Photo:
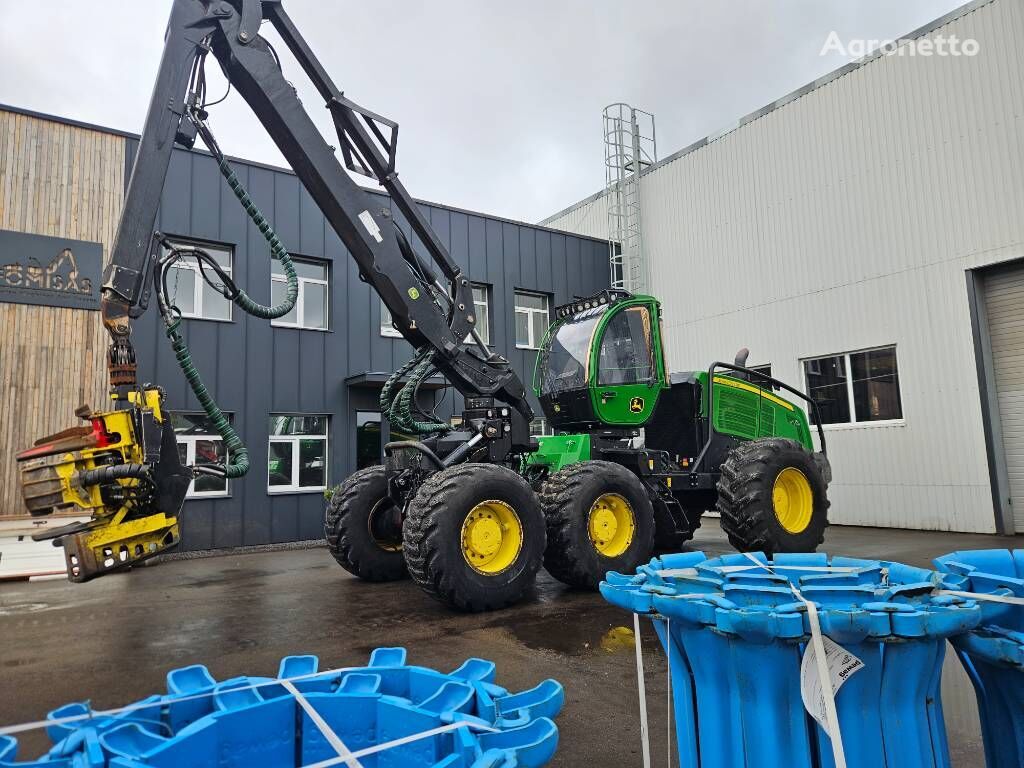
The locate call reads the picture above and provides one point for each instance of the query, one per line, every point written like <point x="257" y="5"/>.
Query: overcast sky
<point x="499" y="102"/>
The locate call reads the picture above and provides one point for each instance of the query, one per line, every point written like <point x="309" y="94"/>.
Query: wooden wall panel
<point x="67" y="181"/>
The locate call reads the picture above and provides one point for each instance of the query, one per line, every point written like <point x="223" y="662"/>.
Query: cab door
<point x="628" y="366"/>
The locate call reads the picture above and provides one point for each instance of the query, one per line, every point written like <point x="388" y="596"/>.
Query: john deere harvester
<point x="469" y="514"/>
<point x="640" y="453"/>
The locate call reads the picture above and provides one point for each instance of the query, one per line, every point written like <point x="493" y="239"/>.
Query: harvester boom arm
<point x="433" y="312"/>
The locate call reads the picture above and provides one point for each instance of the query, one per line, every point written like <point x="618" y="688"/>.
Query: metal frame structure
<point x="629" y="148"/>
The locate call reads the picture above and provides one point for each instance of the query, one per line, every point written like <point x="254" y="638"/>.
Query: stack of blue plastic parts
<point x="993" y="654"/>
<point x="256" y="721"/>
<point x="735" y="634"/>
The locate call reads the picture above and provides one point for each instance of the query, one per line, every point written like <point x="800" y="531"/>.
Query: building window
<point x="531" y="319"/>
<point x="311" y="306"/>
<point x="482" y="310"/>
<point x="199" y="445"/>
<point x="539" y="427"/>
<point x="856" y="387"/>
<point x="298" y="453"/>
<point x="187" y="288"/>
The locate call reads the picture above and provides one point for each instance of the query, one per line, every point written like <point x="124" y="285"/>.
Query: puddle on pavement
<point x="597" y="631"/>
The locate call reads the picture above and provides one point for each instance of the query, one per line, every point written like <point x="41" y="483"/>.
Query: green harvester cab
<point x="722" y="438"/>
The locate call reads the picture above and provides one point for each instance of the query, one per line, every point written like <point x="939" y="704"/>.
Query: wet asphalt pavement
<point x="113" y="640"/>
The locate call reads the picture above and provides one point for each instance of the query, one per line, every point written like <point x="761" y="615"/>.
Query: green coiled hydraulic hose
<point x="400" y="407"/>
<point x="238" y="454"/>
<point x="277" y="251"/>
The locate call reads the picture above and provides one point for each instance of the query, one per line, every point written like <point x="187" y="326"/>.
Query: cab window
<point x="626" y="356"/>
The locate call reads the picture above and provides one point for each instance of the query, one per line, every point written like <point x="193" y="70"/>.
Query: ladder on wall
<point x="629" y="148"/>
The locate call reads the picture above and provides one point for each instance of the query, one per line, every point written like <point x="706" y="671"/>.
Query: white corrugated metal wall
<point x="845" y="219"/>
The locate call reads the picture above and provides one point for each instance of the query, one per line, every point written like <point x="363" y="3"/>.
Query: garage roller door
<point x="1004" y="304"/>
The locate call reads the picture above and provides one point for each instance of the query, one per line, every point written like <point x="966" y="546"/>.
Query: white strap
<point x="668" y="685"/>
<point x="332" y="738"/>
<point x="1008" y="599"/>
<point x="645" y="742"/>
<point x="824" y="678"/>
<point x="404" y="740"/>
<point x="677" y="572"/>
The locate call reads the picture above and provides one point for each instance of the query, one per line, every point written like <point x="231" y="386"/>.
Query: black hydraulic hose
<point x="416" y="446"/>
<point x="113" y="472"/>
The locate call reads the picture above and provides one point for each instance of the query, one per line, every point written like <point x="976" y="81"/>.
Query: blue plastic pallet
<point x="993" y="654"/>
<point x="735" y="635"/>
<point x="256" y="722"/>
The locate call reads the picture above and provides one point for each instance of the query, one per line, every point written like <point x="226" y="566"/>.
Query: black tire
<point x="745" y="497"/>
<point x="364" y="529"/>
<point x="568" y="498"/>
<point x="433" y="537"/>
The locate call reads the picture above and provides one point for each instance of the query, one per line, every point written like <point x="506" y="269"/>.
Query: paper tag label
<point x="371" y="226"/>
<point x="842" y="665"/>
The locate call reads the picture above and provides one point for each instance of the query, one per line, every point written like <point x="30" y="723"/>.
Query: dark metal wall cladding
<point x="255" y="369"/>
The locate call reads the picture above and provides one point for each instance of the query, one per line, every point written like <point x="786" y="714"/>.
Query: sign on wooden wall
<point x="49" y="271"/>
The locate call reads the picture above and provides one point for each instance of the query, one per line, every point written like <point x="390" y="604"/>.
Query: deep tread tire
<point x="347" y="528"/>
<point x="567" y="497"/>
<point x="745" y="497"/>
<point x="432" y="537"/>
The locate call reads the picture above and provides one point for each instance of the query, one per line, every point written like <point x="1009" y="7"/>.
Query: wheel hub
<point x="492" y="536"/>
<point x="792" y="500"/>
<point x="611" y="524"/>
<point x="385" y="525"/>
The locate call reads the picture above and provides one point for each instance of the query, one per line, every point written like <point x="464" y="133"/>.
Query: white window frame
<point x="197" y="296"/>
<point x="483" y="329"/>
<point x="300" y="302"/>
<point x="545" y="428"/>
<point x="294" y="440"/>
<point x="530" y="312"/>
<point x="854" y="422"/>
<point x="189" y="441"/>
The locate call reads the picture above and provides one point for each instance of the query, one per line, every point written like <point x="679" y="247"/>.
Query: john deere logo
<point x="636" y="404"/>
<point x="51" y="271"/>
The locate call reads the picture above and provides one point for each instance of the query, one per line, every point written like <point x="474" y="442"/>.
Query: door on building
<point x="368" y="439"/>
<point x="1004" y="311"/>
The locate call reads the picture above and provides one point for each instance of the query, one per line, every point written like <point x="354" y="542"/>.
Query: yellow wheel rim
<point x="793" y="500"/>
<point x="611" y="524"/>
<point x="491" y="537"/>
